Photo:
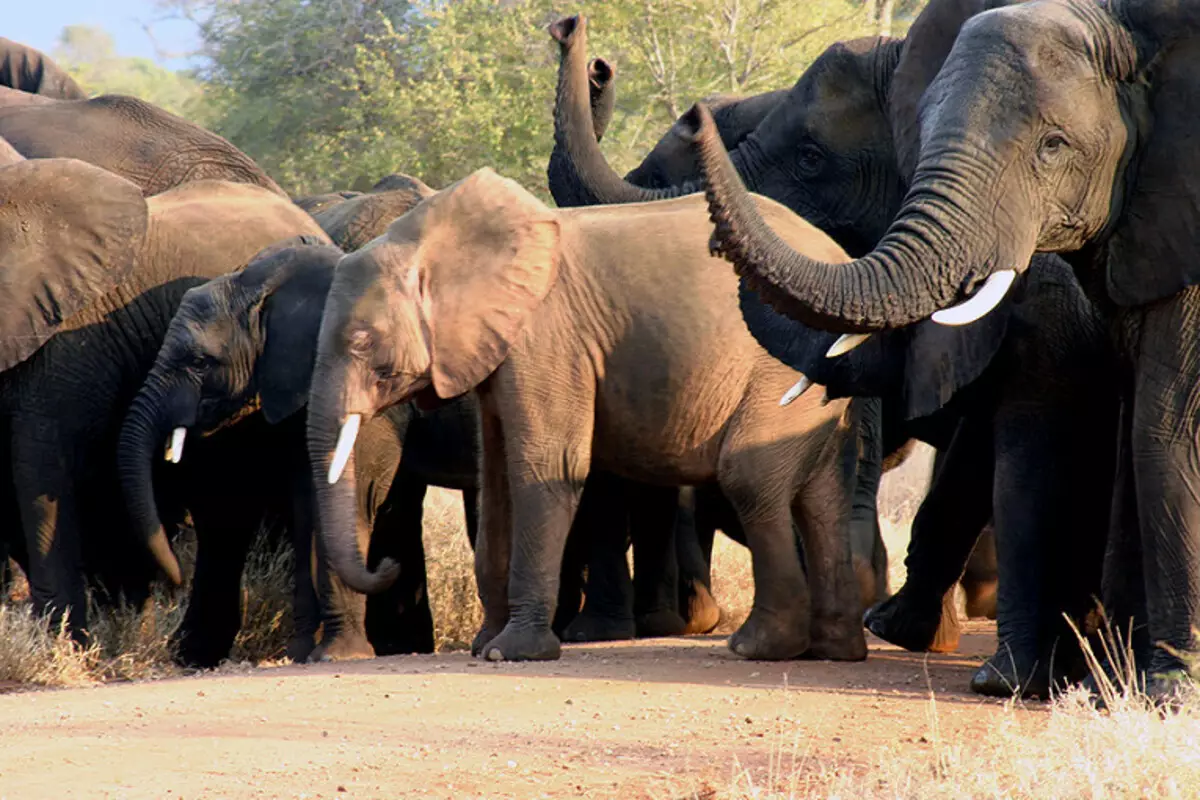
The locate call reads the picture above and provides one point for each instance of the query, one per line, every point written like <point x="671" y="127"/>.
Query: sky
<point x="37" y="23"/>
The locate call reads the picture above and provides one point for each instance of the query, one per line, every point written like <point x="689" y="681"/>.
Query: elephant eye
<point x="810" y="159"/>
<point x="1053" y="145"/>
<point x="201" y="361"/>
<point x="360" y="342"/>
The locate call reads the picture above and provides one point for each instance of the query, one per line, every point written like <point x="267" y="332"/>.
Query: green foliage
<point x="334" y="94"/>
<point x="90" y="56"/>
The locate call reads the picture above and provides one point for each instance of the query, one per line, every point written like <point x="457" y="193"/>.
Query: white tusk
<point x="174" y="452"/>
<point x="802" y="386"/>
<point x="845" y="343"/>
<point x="980" y="303"/>
<point x="345" y="446"/>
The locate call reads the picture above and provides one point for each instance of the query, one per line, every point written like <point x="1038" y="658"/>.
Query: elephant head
<point x="357" y="220"/>
<point x="237" y="344"/>
<point x="1052" y="125"/>
<point x="430" y="309"/>
<point x="29" y="70"/>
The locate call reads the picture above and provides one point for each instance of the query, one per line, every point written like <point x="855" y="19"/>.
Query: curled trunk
<point x="337" y="517"/>
<point x="930" y="256"/>
<point x="142" y="435"/>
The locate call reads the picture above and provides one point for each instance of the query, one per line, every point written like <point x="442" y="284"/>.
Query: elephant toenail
<point x="495" y="655"/>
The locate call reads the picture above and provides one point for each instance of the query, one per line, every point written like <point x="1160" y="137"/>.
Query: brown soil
<point x="664" y="719"/>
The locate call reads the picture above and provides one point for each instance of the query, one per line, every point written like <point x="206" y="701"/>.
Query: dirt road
<point x="650" y="719"/>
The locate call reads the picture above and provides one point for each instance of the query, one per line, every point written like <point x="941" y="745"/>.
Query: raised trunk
<point x="579" y="175"/>
<point x="602" y="95"/>
<point x="935" y="252"/>
<point x="142" y="436"/>
<point x="336" y="511"/>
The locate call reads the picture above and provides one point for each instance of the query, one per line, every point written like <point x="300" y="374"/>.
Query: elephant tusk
<point x="174" y="452"/>
<point x="802" y="386"/>
<point x="980" y="303"/>
<point x="345" y="446"/>
<point x="845" y="343"/>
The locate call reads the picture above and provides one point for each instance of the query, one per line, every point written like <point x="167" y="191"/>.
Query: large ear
<point x="925" y="49"/>
<point x="69" y="233"/>
<point x="1152" y="252"/>
<point x="288" y="286"/>
<point x="488" y="254"/>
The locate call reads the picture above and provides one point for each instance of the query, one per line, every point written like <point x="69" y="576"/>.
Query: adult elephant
<point x="126" y="136"/>
<point x="1076" y="146"/>
<point x="239" y="351"/>
<point x="582" y="358"/>
<point x="357" y="220"/>
<point x="836" y="130"/>
<point x="94" y="272"/>
<point x="28" y="70"/>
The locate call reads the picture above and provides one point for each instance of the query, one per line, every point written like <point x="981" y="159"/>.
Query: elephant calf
<point x="601" y="338"/>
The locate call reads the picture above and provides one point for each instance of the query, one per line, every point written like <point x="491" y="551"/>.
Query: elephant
<point x="126" y="136"/>
<point x="357" y="220"/>
<point x="94" y="271"/>
<point x="932" y="377"/>
<point x="27" y="70"/>
<point x="1053" y="193"/>
<point x="583" y="358"/>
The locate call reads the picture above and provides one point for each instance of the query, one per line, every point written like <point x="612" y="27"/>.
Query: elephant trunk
<point x="602" y="95"/>
<point x="579" y="175"/>
<point x="331" y="436"/>
<point x="934" y="252"/>
<point x="142" y="434"/>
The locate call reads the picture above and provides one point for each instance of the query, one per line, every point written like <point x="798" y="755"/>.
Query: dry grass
<point x="450" y="567"/>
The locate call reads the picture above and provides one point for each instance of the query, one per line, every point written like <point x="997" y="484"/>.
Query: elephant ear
<point x="1152" y="253"/>
<point x="488" y="254"/>
<point x="925" y="49"/>
<point x="69" y="233"/>
<point x="941" y="360"/>
<point x="288" y="286"/>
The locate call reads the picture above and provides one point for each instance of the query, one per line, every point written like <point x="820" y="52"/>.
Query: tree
<point x="333" y="93"/>
<point x="89" y="55"/>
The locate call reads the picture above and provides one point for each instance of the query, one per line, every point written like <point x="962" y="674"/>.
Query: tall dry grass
<point x="450" y="570"/>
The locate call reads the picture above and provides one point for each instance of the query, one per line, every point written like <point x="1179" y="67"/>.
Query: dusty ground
<point x="665" y="718"/>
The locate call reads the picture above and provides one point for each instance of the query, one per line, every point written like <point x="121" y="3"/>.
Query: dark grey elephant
<point x="94" y="271"/>
<point x="239" y="351"/>
<point x="129" y="137"/>
<point x="28" y="70"/>
<point x="837" y="165"/>
<point x="1052" y="126"/>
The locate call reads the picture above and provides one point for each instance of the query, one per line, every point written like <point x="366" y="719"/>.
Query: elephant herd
<point x="943" y="238"/>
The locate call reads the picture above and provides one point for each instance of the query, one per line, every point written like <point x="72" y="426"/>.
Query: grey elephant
<point x="582" y="358"/>
<point x="126" y="136"/>
<point x="94" y="273"/>
<point x="1076" y="146"/>
<point x="27" y="70"/>
<point x="968" y="388"/>
<point x="237" y="346"/>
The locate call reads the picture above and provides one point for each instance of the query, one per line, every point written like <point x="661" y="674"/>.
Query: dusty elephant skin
<point x="28" y="70"/>
<point x="114" y="265"/>
<point x="1077" y="153"/>
<point x="830" y="151"/>
<point x="581" y="355"/>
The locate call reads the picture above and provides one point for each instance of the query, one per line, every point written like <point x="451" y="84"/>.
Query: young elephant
<point x="594" y="338"/>
<point x="243" y="343"/>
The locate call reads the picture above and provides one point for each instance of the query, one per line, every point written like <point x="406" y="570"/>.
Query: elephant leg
<point x="602" y="525"/>
<point x="214" y="612"/>
<point x="493" y="547"/>
<point x="694" y="532"/>
<point x="571" y="580"/>
<point x="655" y="565"/>
<point x="343" y="610"/>
<point x="980" y="578"/>
<point x="46" y="497"/>
<point x="944" y="531"/>
<point x="867" y="549"/>
<point x="306" y="611"/>
<point x="1166" y="467"/>
<point x="471" y="515"/>
<point x="399" y="620"/>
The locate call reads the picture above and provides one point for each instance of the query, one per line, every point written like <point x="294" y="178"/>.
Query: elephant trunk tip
<point x="600" y="72"/>
<point x="375" y="582"/>
<point x="565" y="29"/>
<point x="719" y="179"/>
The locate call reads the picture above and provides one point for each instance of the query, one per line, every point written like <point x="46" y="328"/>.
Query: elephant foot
<point x="905" y="621"/>
<point x="485" y="635"/>
<point x="300" y="648"/>
<point x="1170" y="690"/>
<point x="344" y="647"/>
<point x="523" y="644"/>
<point x="769" y="637"/>
<point x="660" y="623"/>
<point x="591" y="627"/>
<point x="1011" y="674"/>
<point x="981" y="599"/>
<point x="703" y="613"/>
